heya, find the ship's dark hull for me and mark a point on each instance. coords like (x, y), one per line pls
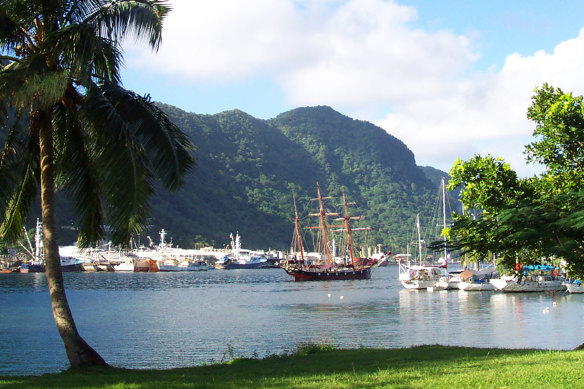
(235, 265)
(300, 274)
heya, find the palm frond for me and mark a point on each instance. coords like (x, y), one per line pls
(168, 149)
(76, 173)
(16, 21)
(29, 81)
(19, 181)
(14, 147)
(125, 178)
(80, 49)
(141, 18)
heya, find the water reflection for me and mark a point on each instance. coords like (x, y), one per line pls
(181, 319)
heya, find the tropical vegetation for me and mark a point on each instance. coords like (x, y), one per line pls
(248, 169)
(535, 219)
(69, 124)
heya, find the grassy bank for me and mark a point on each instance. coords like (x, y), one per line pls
(418, 367)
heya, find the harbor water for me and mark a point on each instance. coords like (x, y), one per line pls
(166, 320)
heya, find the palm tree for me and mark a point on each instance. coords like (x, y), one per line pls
(69, 124)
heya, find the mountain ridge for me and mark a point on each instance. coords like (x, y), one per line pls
(249, 167)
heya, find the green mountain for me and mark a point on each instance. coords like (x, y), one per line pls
(248, 168)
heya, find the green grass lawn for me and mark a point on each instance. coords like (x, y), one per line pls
(324, 367)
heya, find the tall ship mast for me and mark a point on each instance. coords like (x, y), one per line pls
(327, 266)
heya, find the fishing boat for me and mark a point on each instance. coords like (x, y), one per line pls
(323, 265)
(536, 278)
(172, 265)
(239, 258)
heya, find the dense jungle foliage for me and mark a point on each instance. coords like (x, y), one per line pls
(247, 169)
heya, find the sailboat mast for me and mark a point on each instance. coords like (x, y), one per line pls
(323, 226)
(348, 229)
(38, 241)
(444, 215)
(298, 235)
(419, 238)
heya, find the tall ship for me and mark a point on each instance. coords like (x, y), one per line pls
(324, 264)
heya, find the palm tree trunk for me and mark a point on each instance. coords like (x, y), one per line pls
(78, 351)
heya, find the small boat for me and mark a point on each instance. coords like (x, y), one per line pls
(168, 265)
(240, 258)
(422, 276)
(533, 284)
(127, 265)
(104, 266)
(450, 281)
(478, 280)
(8, 270)
(89, 267)
(476, 286)
(171, 265)
(242, 263)
(32, 267)
(574, 286)
(70, 264)
(146, 265)
(326, 267)
(536, 278)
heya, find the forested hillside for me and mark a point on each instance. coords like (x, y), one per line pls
(248, 168)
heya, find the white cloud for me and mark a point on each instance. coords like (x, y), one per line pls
(486, 113)
(364, 57)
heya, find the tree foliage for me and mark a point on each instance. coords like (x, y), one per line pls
(533, 219)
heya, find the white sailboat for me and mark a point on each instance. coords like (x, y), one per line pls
(420, 276)
(423, 276)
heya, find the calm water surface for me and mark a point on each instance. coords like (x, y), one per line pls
(165, 320)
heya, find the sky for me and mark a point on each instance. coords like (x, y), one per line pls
(451, 79)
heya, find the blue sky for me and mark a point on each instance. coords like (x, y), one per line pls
(449, 78)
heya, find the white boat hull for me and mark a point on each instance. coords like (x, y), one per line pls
(575, 288)
(418, 284)
(476, 286)
(508, 285)
(124, 267)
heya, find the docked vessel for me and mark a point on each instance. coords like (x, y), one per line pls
(424, 276)
(182, 265)
(478, 280)
(239, 258)
(574, 287)
(324, 265)
(537, 278)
